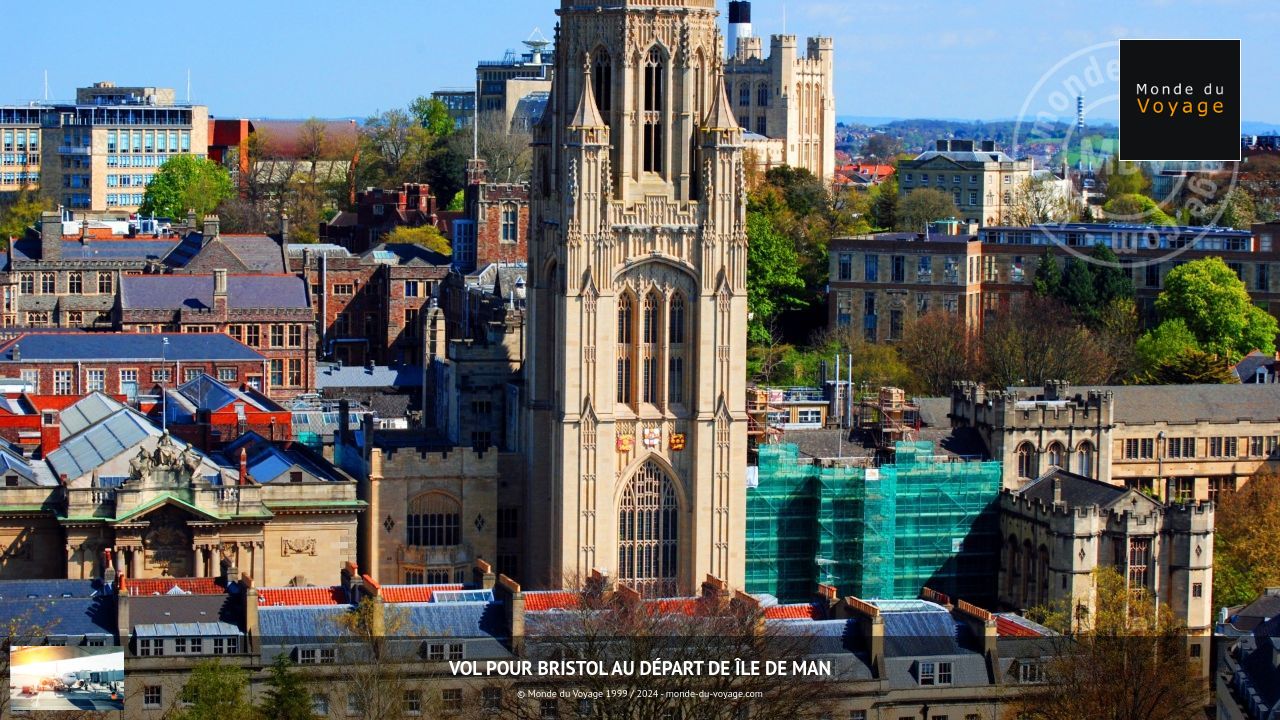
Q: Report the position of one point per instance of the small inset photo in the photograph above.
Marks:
(48, 678)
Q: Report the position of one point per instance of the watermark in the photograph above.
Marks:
(1087, 83)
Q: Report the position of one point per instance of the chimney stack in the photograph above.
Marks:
(50, 236)
(212, 227)
(284, 228)
(739, 25)
(50, 432)
(191, 219)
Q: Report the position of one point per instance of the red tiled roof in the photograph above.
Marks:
(671, 606)
(550, 600)
(414, 593)
(269, 597)
(793, 612)
(161, 586)
(1009, 628)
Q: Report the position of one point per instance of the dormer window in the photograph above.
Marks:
(935, 673)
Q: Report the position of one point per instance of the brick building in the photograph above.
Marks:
(495, 225)
(369, 305)
(127, 365)
(379, 211)
(208, 413)
(270, 313)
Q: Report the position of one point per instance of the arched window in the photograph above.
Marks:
(650, 350)
(1058, 455)
(434, 521)
(648, 533)
(654, 106)
(626, 313)
(1086, 459)
(675, 349)
(762, 94)
(744, 94)
(1028, 463)
(602, 83)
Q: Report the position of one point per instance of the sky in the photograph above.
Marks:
(334, 58)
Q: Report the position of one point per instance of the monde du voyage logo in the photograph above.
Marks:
(1180, 100)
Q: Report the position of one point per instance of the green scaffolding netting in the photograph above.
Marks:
(874, 532)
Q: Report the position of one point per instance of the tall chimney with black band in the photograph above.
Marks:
(739, 24)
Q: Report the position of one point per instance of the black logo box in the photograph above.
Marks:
(1187, 68)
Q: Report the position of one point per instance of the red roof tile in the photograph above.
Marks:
(161, 586)
(793, 612)
(269, 597)
(1010, 628)
(414, 593)
(550, 600)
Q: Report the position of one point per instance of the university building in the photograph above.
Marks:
(879, 282)
(981, 179)
(784, 103)
(635, 376)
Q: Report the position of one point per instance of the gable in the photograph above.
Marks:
(216, 255)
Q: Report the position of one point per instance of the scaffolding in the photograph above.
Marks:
(880, 532)
(887, 418)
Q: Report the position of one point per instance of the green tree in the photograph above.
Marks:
(1215, 306)
(1236, 210)
(1191, 367)
(1048, 277)
(803, 192)
(215, 691)
(186, 182)
(923, 206)
(773, 280)
(1121, 179)
(432, 114)
(884, 204)
(1137, 208)
(1168, 340)
(286, 697)
(1077, 290)
(428, 236)
(21, 213)
(1110, 282)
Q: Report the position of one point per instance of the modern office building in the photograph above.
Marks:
(516, 87)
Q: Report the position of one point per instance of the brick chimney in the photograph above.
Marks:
(483, 574)
(244, 466)
(50, 432)
(50, 236)
(872, 631)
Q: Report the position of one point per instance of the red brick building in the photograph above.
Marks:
(270, 313)
(128, 365)
(209, 414)
(378, 212)
(368, 305)
(496, 227)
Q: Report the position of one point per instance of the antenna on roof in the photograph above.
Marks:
(188, 86)
(46, 85)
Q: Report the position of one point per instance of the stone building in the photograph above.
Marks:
(1062, 526)
(495, 226)
(980, 178)
(1181, 443)
(785, 102)
(114, 491)
(880, 281)
(270, 313)
(637, 304)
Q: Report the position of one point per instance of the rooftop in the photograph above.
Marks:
(244, 292)
(37, 347)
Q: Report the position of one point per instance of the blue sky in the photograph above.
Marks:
(333, 58)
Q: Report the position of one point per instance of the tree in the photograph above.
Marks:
(1117, 331)
(1190, 367)
(286, 697)
(1246, 545)
(432, 114)
(1076, 290)
(773, 281)
(1163, 343)
(1110, 282)
(1048, 277)
(20, 213)
(1119, 179)
(1134, 208)
(868, 363)
(506, 151)
(938, 350)
(186, 182)
(1124, 658)
(881, 147)
(802, 191)
(1236, 210)
(1036, 340)
(215, 691)
(428, 236)
(923, 206)
(884, 204)
(1039, 199)
(1212, 301)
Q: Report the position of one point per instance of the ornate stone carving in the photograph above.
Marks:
(297, 546)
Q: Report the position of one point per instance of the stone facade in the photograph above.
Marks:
(1179, 443)
(788, 98)
(637, 305)
(980, 178)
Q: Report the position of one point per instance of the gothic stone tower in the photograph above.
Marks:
(638, 307)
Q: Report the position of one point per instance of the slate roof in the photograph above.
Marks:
(13, 462)
(454, 620)
(1077, 490)
(280, 625)
(207, 393)
(28, 249)
(1259, 666)
(256, 253)
(963, 156)
(244, 292)
(1248, 618)
(23, 589)
(62, 616)
(268, 460)
(379, 376)
(405, 254)
(168, 609)
(1147, 404)
(191, 629)
(126, 346)
(1247, 369)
